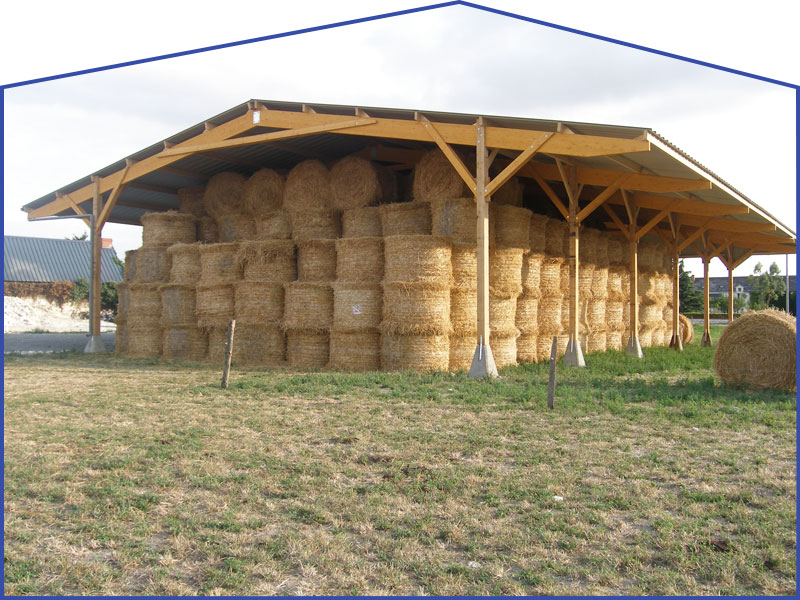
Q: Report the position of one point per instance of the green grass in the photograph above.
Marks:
(136, 477)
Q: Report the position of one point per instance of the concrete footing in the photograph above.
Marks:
(94, 345)
(634, 347)
(483, 364)
(574, 355)
(676, 342)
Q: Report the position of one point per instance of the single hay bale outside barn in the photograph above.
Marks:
(435, 177)
(224, 194)
(417, 258)
(316, 260)
(207, 231)
(214, 305)
(315, 224)
(405, 218)
(307, 349)
(263, 193)
(273, 226)
(152, 264)
(129, 272)
(166, 228)
(758, 350)
(415, 352)
(144, 338)
(416, 308)
(357, 306)
(234, 227)
(184, 263)
(271, 260)
(361, 222)
(177, 304)
(190, 201)
(511, 225)
(354, 183)
(261, 301)
(359, 259)
(308, 188)
(184, 341)
(218, 264)
(308, 306)
(355, 350)
(686, 329)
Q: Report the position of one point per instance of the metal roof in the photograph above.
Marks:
(33, 259)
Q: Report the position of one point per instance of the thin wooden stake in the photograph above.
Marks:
(228, 353)
(551, 388)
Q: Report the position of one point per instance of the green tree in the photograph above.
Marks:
(83, 236)
(108, 294)
(721, 303)
(767, 286)
(691, 299)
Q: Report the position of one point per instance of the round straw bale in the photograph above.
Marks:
(563, 341)
(550, 277)
(649, 314)
(511, 225)
(357, 306)
(505, 270)
(355, 350)
(308, 188)
(415, 352)
(435, 177)
(307, 349)
(165, 228)
(315, 224)
(273, 226)
(614, 284)
(224, 194)
(555, 239)
(184, 341)
(389, 184)
(596, 341)
(271, 260)
(354, 183)
(527, 348)
(177, 304)
(455, 218)
(361, 222)
(258, 301)
(129, 271)
(234, 227)
(601, 250)
(184, 263)
(614, 316)
(757, 350)
(502, 313)
(207, 231)
(504, 349)
(614, 340)
(359, 259)
(550, 315)
(258, 343)
(649, 256)
(308, 306)
(587, 246)
(214, 305)
(564, 281)
(645, 336)
(565, 315)
(544, 344)
(405, 218)
(464, 311)
(527, 315)
(217, 342)
(648, 287)
(145, 303)
(263, 193)
(462, 349)
(144, 338)
(510, 193)
(316, 260)
(417, 258)
(537, 233)
(121, 335)
(687, 329)
(416, 308)
(596, 313)
(190, 201)
(531, 272)
(152, 264)
(585, 278)
(617, 252)
(464, 260)
(599, 287)
(218, 264)
(123, 298)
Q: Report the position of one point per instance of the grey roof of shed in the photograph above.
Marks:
(32, 259)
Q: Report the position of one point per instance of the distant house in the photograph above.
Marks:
(718, 286)
(46, 260)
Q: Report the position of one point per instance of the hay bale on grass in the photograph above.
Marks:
(218, 264)
(207, 231)
(355, 350)
(307, 349)
(462, 349)
(273, 226)
(258, 343)
(184, 341)
(224, 194)
(361, 222)
(357, 306)
(184, 262)
(308, 306)
(511, 225)
(415, 352)
(214, 305)
(144, 339)
(354, 183)
(527, 350)
(405, 218)
(177, 304)
(272, 260)
(417, 258)
(233, 227)
(165, 228)
(435, 177)
(359, 259)
(263, 193)
(416, 308)
(152, 264)
(758, 350)
(316, 260)
(258, 301)
(504, 348)
(145, 303)
(308, 188)
(686, 329)
(464, 311)
(190, 201)
(527, 315)
(315, 224)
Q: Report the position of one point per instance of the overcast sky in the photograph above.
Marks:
(456, 59)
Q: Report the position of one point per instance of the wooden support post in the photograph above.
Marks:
(706, 303)
(634, 346)
(483, 364)
(95, 343)
(573, 355)
(676, 341)
(551, 387)
(730, 295)
(226, 370)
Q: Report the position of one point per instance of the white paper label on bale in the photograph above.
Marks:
(357, 309)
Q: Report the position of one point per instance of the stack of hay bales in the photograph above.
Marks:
(181, 336)
(262, 201)
(527, 317)
(124, 302)
(214, 297)
(597, 293)
(617, 295)
(652, 300)
(552, 290)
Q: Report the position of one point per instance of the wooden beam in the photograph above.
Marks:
(730, 225)
(454, 158)
(674, 226)
(651, 223)
(605, 177)
(700, 231)
(74, 206)
(506, 174)
(161, 189)
(697, 208)
(553, 197)
(742, 258)
(96, 239)
(631, 208)
(568, 178)
(602, 197)
(617, 221)
(717, 252)
(112, 200)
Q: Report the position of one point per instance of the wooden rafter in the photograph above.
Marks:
(451, 155)
(617, 221)
(112, 199)
(651, 223)
(524, 156)
(74, 206)
(636, 182)
(689, 240)
(602, 197)
(697, 208)
(553, 196)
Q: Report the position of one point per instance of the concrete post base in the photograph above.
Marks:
(706, 339)
(483, 363)
(634, 347)
(676, 342)
(94, 345)
(574, 355)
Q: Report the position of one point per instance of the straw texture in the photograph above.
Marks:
(308, 306)
(218, 264)
(171, 227)
(361, 222)
(316, 260)
(272, 260)
(435, 177)
(359, 259)
(355, 350)
(405, 218)
(184, 341)
(415, 352)
(417, 258)
(177, 304)
(152, 264)
(308, 188)
(190, 201)
(416, 308)
(234, 227)
(357, 306)
(224, 194)
(184, 263)
(315, 224)
(273, 226)
(258, 301)
(354, 183)
(214, 305)
(263, 193)
(307, 349)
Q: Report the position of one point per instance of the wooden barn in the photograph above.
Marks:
(372, 238)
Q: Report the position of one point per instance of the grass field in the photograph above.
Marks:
(128, 476)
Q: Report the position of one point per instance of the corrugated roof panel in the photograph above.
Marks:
(33, 259)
